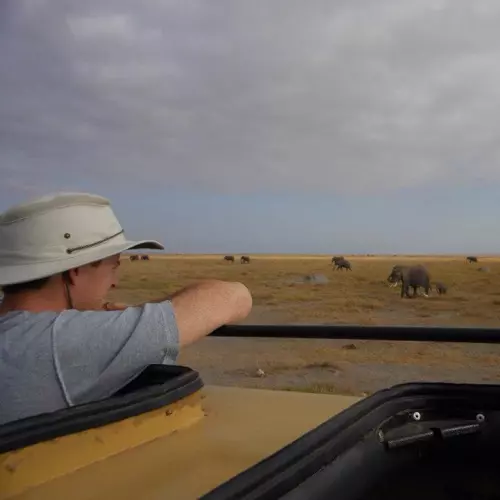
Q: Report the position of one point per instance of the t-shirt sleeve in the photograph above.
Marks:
(96, 353)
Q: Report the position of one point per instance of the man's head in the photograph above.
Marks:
(61, 251)
(86, 285)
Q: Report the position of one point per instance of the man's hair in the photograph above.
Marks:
(24, 287)
(30, 286)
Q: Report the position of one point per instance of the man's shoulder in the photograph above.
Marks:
(80, 325)
(150, 312)
(25, 320)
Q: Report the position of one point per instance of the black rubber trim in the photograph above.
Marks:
(284, 470)
(475, 335)
(155, 387)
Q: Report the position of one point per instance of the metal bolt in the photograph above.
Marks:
(480, 417)
(416, 415)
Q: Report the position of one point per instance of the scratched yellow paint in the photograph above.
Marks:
(214, 438)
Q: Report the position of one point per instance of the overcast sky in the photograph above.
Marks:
(261, 125)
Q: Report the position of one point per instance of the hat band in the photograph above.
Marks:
(90, 245)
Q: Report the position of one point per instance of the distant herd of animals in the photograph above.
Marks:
(414, 277)
(139, 257)
(244, 259)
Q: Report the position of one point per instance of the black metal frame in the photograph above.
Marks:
(309, 460)
(357, 428)
(364, 332)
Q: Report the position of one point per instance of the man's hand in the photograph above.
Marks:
(114, 306)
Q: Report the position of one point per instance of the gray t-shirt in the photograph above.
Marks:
(50, 360)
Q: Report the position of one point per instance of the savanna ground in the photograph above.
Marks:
(361, 296)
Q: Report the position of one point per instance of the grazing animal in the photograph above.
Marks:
(395, 269)
(440, 288)
(337, 259)
(134, 257)
(471, 259)
(229, 258)
(245, 259)
(410, 276)
(343, 264)
(145, 257)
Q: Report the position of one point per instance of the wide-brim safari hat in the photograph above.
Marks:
(59, 232)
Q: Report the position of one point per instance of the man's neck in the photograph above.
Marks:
(32, 302)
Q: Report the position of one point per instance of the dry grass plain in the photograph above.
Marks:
(361, 296)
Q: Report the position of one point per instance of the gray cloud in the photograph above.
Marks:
(238, 96)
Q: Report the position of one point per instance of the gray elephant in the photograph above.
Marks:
(440, 288)
(395, 270)
(410, 276)
(343, 264)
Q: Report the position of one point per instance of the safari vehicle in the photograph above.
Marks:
(166, 435)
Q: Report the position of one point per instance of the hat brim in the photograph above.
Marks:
(149, 244)
(12, 275)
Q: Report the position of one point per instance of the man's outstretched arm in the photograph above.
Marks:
(203, 307)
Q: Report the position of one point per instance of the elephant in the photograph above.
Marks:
(410, 276)
(395, 269)
(229, 258)
(440, 288)
(343, 264)
(471, 259)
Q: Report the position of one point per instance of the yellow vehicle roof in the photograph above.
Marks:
(182, 450)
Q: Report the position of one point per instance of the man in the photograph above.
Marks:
(60, 343)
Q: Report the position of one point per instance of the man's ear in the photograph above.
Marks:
(70, 275)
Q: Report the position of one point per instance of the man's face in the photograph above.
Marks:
(92, 282)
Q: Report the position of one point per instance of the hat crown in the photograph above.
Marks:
(50, 202)
(55, 226)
